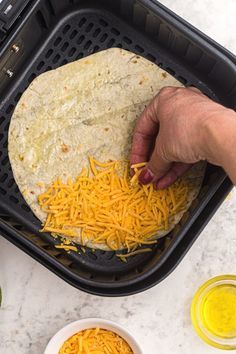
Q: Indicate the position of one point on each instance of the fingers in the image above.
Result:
(166, 116)
(176, 171)
(141, 147)
(147, 127)
(157, 163)
(145, 134)
(156, 168)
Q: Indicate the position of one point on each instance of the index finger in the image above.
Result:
(145, 134)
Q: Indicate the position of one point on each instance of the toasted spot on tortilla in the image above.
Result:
(64, 147)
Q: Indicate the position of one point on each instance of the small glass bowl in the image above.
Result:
(204, 329)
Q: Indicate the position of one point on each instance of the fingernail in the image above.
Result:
(146, 176)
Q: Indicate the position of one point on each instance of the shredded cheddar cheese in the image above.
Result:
(67, 248)
(95, 341)
(104, 205)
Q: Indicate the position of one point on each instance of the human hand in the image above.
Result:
(171, 134)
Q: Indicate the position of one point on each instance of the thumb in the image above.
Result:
(156, 168)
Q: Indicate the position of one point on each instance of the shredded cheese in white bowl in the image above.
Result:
(86, 331)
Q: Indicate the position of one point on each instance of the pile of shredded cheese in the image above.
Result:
(95, 341)
(104, 205)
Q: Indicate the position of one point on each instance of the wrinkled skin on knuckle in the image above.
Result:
(166, 91)
(180, 90)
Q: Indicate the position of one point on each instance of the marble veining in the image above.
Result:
(36, 303)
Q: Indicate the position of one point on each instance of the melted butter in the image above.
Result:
(218, 311)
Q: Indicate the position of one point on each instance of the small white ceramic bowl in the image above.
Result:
(66, 332)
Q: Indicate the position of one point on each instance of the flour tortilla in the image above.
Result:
(88, 107)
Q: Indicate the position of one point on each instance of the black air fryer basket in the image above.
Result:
(40, 35)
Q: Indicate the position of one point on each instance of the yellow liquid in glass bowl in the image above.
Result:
(218, 311)
(213, 312)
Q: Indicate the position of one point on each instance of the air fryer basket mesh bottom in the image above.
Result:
(83, 33)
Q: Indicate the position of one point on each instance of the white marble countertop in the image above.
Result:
(36, 303)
